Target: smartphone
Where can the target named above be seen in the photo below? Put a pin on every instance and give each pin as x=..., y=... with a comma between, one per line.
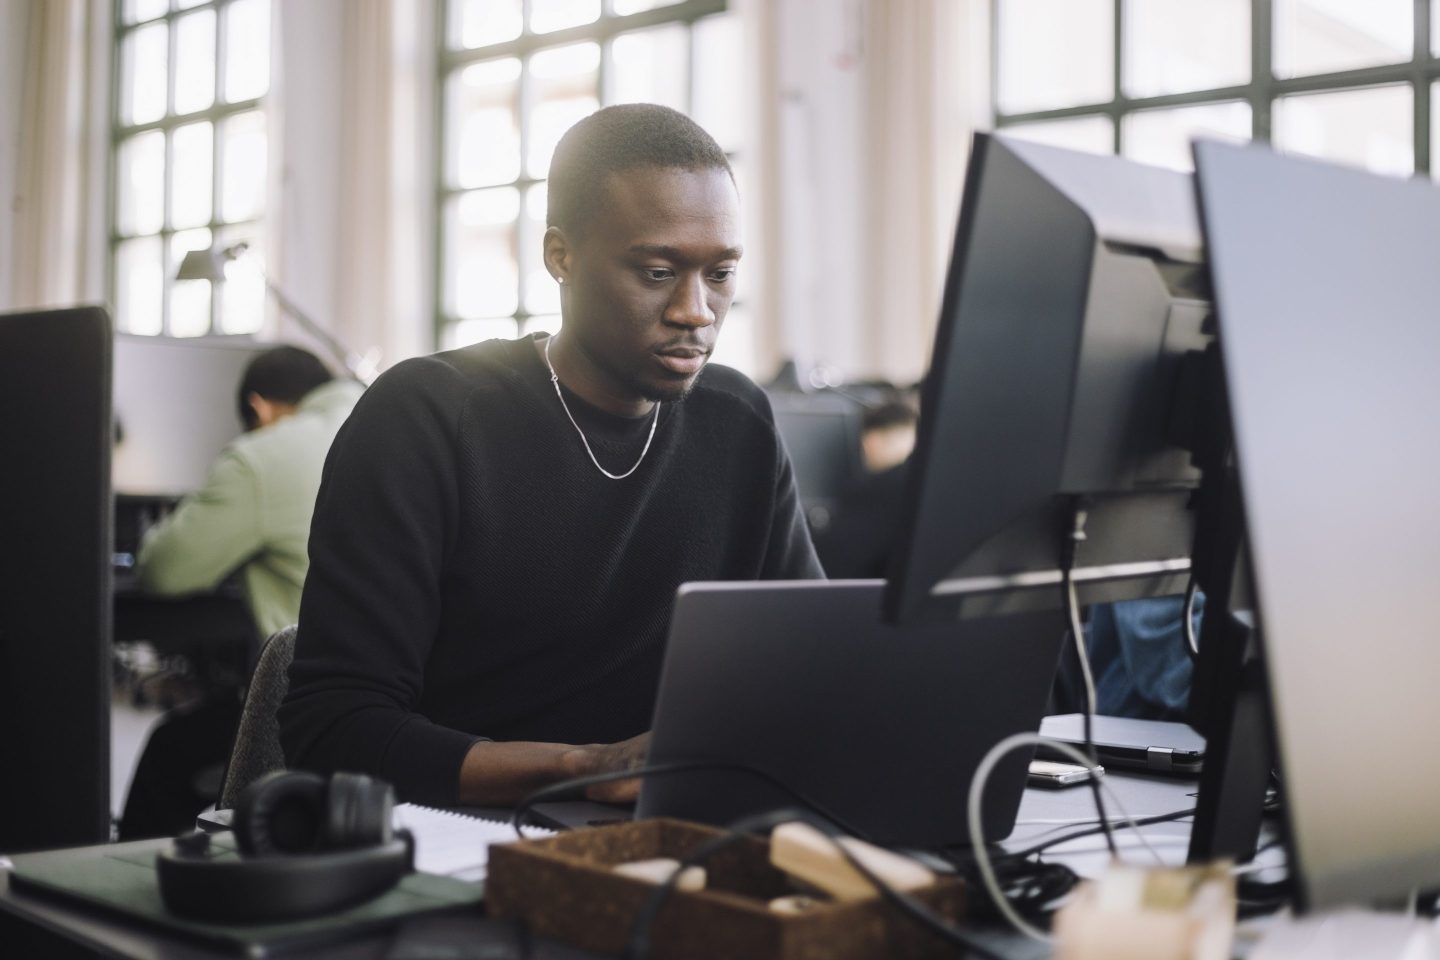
x=1052, y=773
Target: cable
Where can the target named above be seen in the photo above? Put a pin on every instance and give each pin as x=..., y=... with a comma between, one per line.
x=564, y=787
x=1068, y=550
x=982, y=855
x=638, y=947
x=1192, y=642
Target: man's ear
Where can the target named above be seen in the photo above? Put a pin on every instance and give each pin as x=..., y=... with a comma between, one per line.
x=559, y=255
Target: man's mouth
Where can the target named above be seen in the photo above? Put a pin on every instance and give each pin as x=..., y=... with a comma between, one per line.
x=684, y=361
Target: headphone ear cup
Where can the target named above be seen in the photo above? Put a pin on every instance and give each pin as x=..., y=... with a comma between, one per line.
x=358, y=812
x=283, y=812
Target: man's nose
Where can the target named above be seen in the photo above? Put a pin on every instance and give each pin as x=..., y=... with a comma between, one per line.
x=690, y=307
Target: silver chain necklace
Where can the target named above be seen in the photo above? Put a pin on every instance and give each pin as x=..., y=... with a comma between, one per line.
x=566, y=407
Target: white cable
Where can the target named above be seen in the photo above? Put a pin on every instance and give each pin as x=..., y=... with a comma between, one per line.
x=977, y=836
x=1078, y=632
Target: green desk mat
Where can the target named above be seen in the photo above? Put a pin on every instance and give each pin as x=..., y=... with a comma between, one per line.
x=120, y=879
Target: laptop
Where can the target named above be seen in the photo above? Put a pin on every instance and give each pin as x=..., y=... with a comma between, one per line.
x=1154, y=746
x=883, y=726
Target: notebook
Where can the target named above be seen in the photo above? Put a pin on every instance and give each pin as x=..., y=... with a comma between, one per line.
x=1155, y=746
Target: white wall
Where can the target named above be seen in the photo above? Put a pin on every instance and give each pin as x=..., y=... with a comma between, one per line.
x=865, y=110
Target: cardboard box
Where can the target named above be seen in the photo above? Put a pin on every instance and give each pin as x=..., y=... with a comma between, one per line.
x=563, y=888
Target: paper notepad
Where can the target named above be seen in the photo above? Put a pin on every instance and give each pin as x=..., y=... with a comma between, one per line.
x=453, y=844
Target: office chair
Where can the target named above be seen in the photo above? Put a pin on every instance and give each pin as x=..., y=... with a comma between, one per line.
x=257, y=740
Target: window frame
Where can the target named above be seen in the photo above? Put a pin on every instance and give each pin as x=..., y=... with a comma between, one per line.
x=451, y=60
x=216, y=114
x=1420, y=73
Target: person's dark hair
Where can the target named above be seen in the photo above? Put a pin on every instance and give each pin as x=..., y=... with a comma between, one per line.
x=281, y=375
x=616, y=139
x=892, y=413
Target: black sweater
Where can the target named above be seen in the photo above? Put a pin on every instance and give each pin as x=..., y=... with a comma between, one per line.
x=473, y=575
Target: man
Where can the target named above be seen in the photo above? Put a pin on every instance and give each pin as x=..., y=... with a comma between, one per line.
x=253, y=513
x=501, y=529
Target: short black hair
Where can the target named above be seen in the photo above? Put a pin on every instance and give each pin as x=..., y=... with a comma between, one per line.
x=619, y=138
x=890, y=414
x=282, y=375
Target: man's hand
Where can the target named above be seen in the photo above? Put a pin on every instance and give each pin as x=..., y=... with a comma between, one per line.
x=598, y=758
x=504, y=773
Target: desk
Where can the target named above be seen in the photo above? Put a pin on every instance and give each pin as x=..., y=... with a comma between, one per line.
x=58, y=924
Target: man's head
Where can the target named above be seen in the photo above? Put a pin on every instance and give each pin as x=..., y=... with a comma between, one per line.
x=644, y=237
x=275, y=382
x=887, y=434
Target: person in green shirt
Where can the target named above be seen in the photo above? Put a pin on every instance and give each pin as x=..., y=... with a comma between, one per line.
x=252, y=515
x=253, y=512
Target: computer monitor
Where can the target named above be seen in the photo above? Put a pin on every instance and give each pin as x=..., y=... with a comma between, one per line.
x=175, y=409
x=55, y=519
x=1076, y=286
x=821, y=432
x=1326, y=293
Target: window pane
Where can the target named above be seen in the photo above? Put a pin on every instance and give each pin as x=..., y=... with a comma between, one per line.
x=138, y=286
x=564, y=83
x=649, y=66
x=483, y=273
x=626, y=7
x=195, y=62
x=1320, y=36
x=717, y=105
x=247, y=49
x=1371, y=128
x=1435, y=27
x=542, y=293
x=1055, y=53
x=1162, y=137
x=187, y=4
x=466, y=332
x=189, y=299
x=549, y=15
x=1092, y=134
x=1435, y=129
x=242, y=194
x=476, y=23
x=1176, y=46
x=143, y=57
x=133, y=11
x=140, y=184
x=191, y=182
x=483, y=139
x=242, y=295
x=735, y=346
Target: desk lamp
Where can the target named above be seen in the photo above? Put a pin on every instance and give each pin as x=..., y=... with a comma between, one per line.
x=209, y=264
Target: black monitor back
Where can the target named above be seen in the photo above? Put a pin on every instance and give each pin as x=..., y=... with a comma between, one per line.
x=1075, y=287
x=55, y=529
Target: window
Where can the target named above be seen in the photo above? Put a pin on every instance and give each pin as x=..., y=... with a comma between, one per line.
x=189, y=161
x=1349, y=82
x=510, y=89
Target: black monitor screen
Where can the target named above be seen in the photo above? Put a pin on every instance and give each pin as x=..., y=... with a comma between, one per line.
x=1075, y=288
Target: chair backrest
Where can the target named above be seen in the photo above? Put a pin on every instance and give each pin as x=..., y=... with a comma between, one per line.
x=257, y=740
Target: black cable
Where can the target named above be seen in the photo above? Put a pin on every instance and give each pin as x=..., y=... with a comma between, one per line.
x=638, y=947
x=1069, y=548
x=1091, y=831
x=564, y=787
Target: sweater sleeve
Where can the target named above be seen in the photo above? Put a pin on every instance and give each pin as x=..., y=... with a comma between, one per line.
x=384, y=522
x=208, y=535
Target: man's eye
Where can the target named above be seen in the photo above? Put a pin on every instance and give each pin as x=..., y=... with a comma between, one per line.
x=656, y=273
x=724, y=275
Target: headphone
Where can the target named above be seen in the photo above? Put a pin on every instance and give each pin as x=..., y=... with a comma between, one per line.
x=307, y=846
